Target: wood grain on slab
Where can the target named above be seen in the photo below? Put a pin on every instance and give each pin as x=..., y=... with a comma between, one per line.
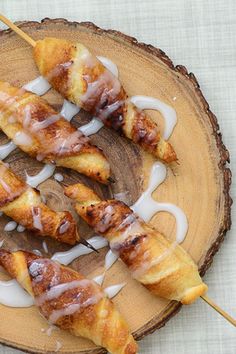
x=199, y=184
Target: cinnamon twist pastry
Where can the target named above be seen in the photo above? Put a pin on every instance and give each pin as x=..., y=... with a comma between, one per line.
x=70, y=301
x=163, y=268
x=23, y=204
x=43, y=133
x=81, y=78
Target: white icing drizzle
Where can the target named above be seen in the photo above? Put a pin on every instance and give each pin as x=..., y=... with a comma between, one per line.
x=37, y=252
x=90, y=97
x=5, y=186
x=1, y=243
x=21, y=138
x=99, y=279
x=146, y=206
x=133, y=228
x=36, y=214
x=106, y=112
x=113, y=290
x=42, y=176
x=39, y=86
x=10, y=226
x=109, y=65
x=147, y=264
x=39, y=267
x=25, y=137
x=45, y=246
x=58, y=69
x=74, y=142
x=69, y=110
x=79, y=250
x=92, y=127
x=20, y=228
x=74, y=307
x=6, y=149
x=58, y=177
x=36, y=126
x=57, y=290
x=12, y=294
x=168, y=113
x=110, y=259
x=64, y=227
x=27, y=116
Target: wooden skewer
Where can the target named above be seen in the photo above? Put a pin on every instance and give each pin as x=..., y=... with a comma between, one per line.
x=17, y=30
x=33, y=43
x=219, y=310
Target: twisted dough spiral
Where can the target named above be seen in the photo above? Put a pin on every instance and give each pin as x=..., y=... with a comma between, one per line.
x=70, y=301
x=81, y=78
x=163, y=268
x=23, y=204
x=43, y=133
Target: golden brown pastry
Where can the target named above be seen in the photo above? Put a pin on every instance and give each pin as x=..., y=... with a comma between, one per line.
x=163, y=268
x=70, y=301
x=43, y=133
x=81, y=78
x=23, y=204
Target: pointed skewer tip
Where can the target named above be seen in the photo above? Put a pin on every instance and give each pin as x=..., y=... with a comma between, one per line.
x=87, y=244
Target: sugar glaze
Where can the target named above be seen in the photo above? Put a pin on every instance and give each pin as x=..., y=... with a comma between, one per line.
x=39, y=86
x=79, y=250
x=146, y=207
x=40, y=177
x=6, y=149
x=13, y=295
x=168, y=113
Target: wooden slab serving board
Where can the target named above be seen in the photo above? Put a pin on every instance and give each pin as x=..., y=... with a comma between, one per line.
x=199, y=183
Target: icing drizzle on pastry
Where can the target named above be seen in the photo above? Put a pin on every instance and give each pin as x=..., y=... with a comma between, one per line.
x=6, y=149
x=168, y=113
x=40, y=177
x=67, y=257
x=146, y=207
x=39, y=86
x=69, y=110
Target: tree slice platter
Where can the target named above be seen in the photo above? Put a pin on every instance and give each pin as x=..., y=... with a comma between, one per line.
x=199, y=183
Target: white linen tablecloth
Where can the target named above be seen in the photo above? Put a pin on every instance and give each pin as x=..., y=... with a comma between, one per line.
x=200, y=34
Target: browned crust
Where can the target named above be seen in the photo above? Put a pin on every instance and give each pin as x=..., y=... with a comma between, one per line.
x=173, y=307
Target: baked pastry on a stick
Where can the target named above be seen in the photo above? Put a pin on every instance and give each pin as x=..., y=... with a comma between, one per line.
x=70, y=301
x=43, y=133
x=82, y=79
x=24, y=205
x=163, y=268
